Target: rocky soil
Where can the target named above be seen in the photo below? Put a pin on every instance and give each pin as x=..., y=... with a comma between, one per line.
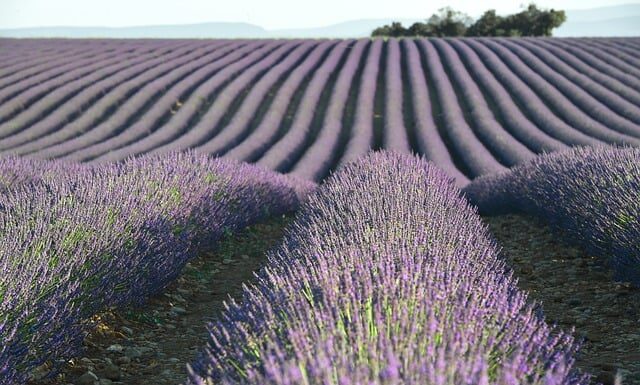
x=152, y=345
x=576, y=289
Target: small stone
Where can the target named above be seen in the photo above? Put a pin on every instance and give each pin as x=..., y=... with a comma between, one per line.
x=127, y=331
x=132, y=353
x=574, y=302
x=116, y=348
x=39, y=373
x=112, y=372
x=105, y=381
x=606, y=378
x=173, y=360
x=178, y=310
x=89, y=378
x=526, y=270
x=124, y=360
x=184, y=291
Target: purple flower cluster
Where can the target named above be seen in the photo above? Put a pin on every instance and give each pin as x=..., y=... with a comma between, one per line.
x=78, y=239
x=592, y=194
x=387, y=276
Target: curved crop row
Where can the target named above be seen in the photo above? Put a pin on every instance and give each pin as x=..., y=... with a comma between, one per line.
x=361, y=136
x=86, y=97
x=95, y=114
x=599, y=63
x=475, y=155
x=246, y=70
x=318, y=158
x=493, y=135
x=77, y=240
x=516, y=121
x=288, y=148
x=232, y=133
x=259, y=139
x=429, y=140
x=15, y=97
x=156, y=100
x=617, y=95
x=83, y=146
x=396, y=283
x=602, y=106
x=473, y=106
x=591, y=194
x=563, y=106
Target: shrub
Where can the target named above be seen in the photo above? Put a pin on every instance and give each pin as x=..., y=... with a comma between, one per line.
x=591, y=194
x=387, y=276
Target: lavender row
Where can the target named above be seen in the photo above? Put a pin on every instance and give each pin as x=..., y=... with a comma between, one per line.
x=603, y=105
x=608, y=55
x=505, y=147
x=591, y=194
x=234, y=132
x=91, y=143
x=395, y=283
x=265, y=133
x=77, y=240
x=600, y=64
x=564, y=106
x=18, y=96
x=133, y=140
x=180, y=121
x=42, y=123
x=394, y=133
x=34, y=61
x=284, y=152
x=139, y=141
x=319, y=157
x=429, y=141
x=529, y=101
x=361, y=136
x=515, y=120
x=95, y=113
x=624, y=97
x=625, y=59
x=476, y=157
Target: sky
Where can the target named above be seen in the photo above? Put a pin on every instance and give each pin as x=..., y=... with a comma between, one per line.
x=269, y=14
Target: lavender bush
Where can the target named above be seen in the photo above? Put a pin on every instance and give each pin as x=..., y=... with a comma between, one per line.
x=592, y=194
x=387, y=276
x=74, y=243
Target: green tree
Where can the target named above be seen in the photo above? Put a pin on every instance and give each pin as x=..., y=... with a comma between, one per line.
x=531, y=21
x=394, y=30
x=448, y=22
x=489, y=24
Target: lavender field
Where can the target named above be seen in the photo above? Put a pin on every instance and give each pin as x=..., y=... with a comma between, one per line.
x=123, y=160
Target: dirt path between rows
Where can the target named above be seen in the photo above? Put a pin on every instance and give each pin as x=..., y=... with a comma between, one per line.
x=152, y=345
x=576, y=289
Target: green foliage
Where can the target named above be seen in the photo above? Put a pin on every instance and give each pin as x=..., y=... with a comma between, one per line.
x=531, y=21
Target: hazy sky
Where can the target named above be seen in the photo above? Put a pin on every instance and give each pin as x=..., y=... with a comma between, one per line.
x=270, y=14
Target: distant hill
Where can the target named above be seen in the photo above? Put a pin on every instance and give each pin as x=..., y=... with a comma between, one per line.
x=617, y=20
x=203, y=30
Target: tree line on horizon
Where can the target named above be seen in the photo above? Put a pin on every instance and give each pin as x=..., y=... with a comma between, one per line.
x=531, y=21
